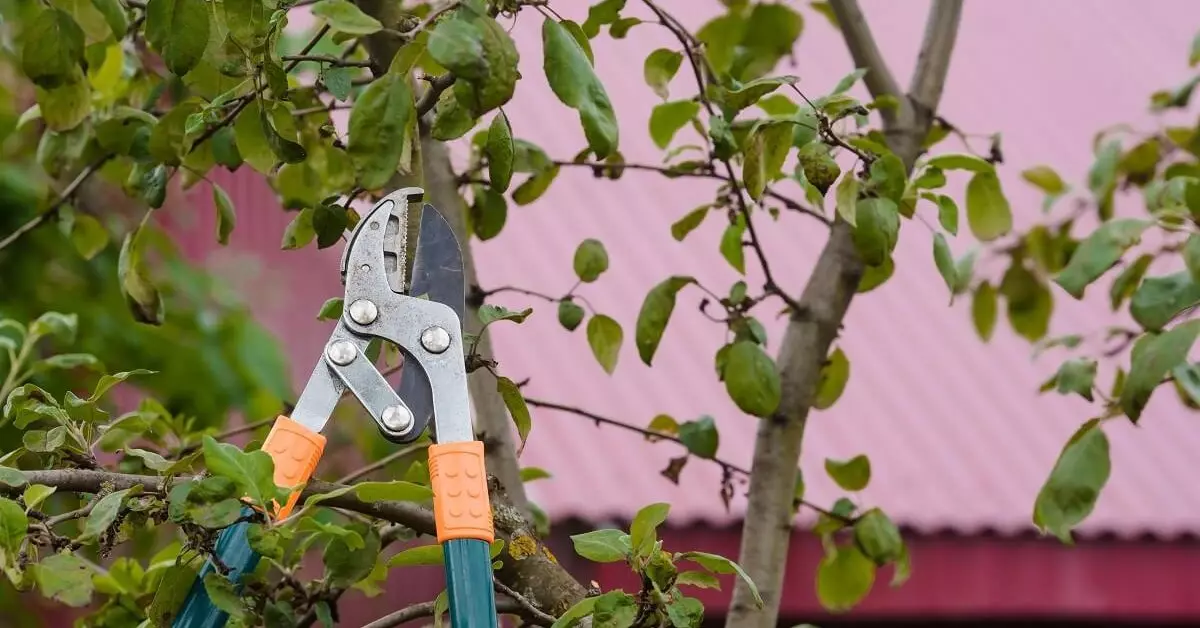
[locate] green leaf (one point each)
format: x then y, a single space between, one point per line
529 474
413 556
878 537
223 595
970 163
288 151
604 336
108 381
1046 179
170 593
1159 299
835 373
1077 375
34 495
667 118
1075 482
600 546
151 459
682 227
766 149
226 217
1096 254
88 236
114 14
13 525
488 213
489 314
1191 256
643 530
141 295
582 609
379 123
576 85
988 213
844 578
1154 356
252 472
329 223
500 153
752 380
179 29
1030 302
877 226
721 565
701 579
394 491
852 475
515 402
65 106
67 578
338 80
103 514
984 309
331 310
731 246
849 80
735 100
847 198
10 476
659 68
251 140
591 260
52 48
655 314
944 260
570 315
346 17
536 185
700 437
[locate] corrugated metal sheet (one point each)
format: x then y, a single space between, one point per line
958 438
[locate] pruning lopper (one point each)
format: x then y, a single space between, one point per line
425 322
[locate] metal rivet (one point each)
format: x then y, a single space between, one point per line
435 339
341 352
364 312
374 225
365 267
398 419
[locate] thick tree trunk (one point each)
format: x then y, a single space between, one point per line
825 301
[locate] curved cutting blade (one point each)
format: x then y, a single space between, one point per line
437 274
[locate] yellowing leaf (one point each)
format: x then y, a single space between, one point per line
667 118
847 198
844 578
141 295
604 337
659 68
988 212
852 475
226 216
766 148
834 376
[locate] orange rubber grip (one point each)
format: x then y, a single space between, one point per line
461 508
296 451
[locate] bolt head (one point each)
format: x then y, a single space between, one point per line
435 339
341 352
364 311
398 419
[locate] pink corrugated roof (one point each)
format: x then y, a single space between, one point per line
957 435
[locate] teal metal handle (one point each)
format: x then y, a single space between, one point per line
234 551
469 583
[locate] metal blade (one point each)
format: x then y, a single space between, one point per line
437 274
438 266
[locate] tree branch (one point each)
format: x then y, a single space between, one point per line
815 325
52 211
426 609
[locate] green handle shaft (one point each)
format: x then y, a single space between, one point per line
469 583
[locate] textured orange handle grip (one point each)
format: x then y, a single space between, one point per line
461 507
296 451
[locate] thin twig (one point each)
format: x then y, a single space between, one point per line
426 609
698 174
326 59
63 199
726 466
381 463
530 610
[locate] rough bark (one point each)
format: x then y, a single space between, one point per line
825 301
492 425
